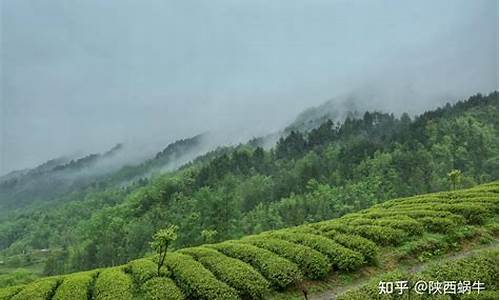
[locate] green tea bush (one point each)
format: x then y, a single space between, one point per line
482 266
9 292
143 269
279 271
370 290
161 288
75 286
380 235
313 264
438 224
405 223
472 212
195 281
112 284
341 257
39 290
367 248
249 283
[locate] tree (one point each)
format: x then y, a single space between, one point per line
454 176
161 241
208 235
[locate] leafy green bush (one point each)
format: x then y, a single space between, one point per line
483 267
340 256
314 264
279 271
195 281
112 284
370 290
360 244
75 286
41 289
9 292
405 223
438 224
161 288
246 280
142 270
378 234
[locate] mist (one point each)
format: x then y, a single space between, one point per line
82 76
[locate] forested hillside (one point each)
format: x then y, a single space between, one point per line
309 176
263 266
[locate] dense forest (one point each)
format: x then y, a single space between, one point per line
308 176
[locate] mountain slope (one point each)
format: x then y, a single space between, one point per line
234 191
251 267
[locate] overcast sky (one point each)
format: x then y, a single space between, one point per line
82 75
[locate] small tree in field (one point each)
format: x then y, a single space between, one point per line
455 177
161 240
208 235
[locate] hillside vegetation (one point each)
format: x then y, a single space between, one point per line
256 265
308 176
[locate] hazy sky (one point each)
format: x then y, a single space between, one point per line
82 75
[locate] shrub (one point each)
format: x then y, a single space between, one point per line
381 235
113 283
378 234
75 286
371 291
196 281
39 290
280 272
340 256
9 292
244 278
313 264
142 270
360 244
161 288
482 267
438 224
405 223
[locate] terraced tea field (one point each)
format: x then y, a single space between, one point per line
278 262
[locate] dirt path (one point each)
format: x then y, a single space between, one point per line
333 293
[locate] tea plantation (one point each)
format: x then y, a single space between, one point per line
255 266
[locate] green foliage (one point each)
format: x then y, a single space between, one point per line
75 287
144 269
367 248
280 272
312 263
407 224
341 257
247 268
378 234
17 277
38 290
9 292
317 171
437 224
112 284
161 240
237 274
454 177
195 281
161 288
482 267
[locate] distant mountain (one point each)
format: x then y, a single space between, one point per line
60 176
335 109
